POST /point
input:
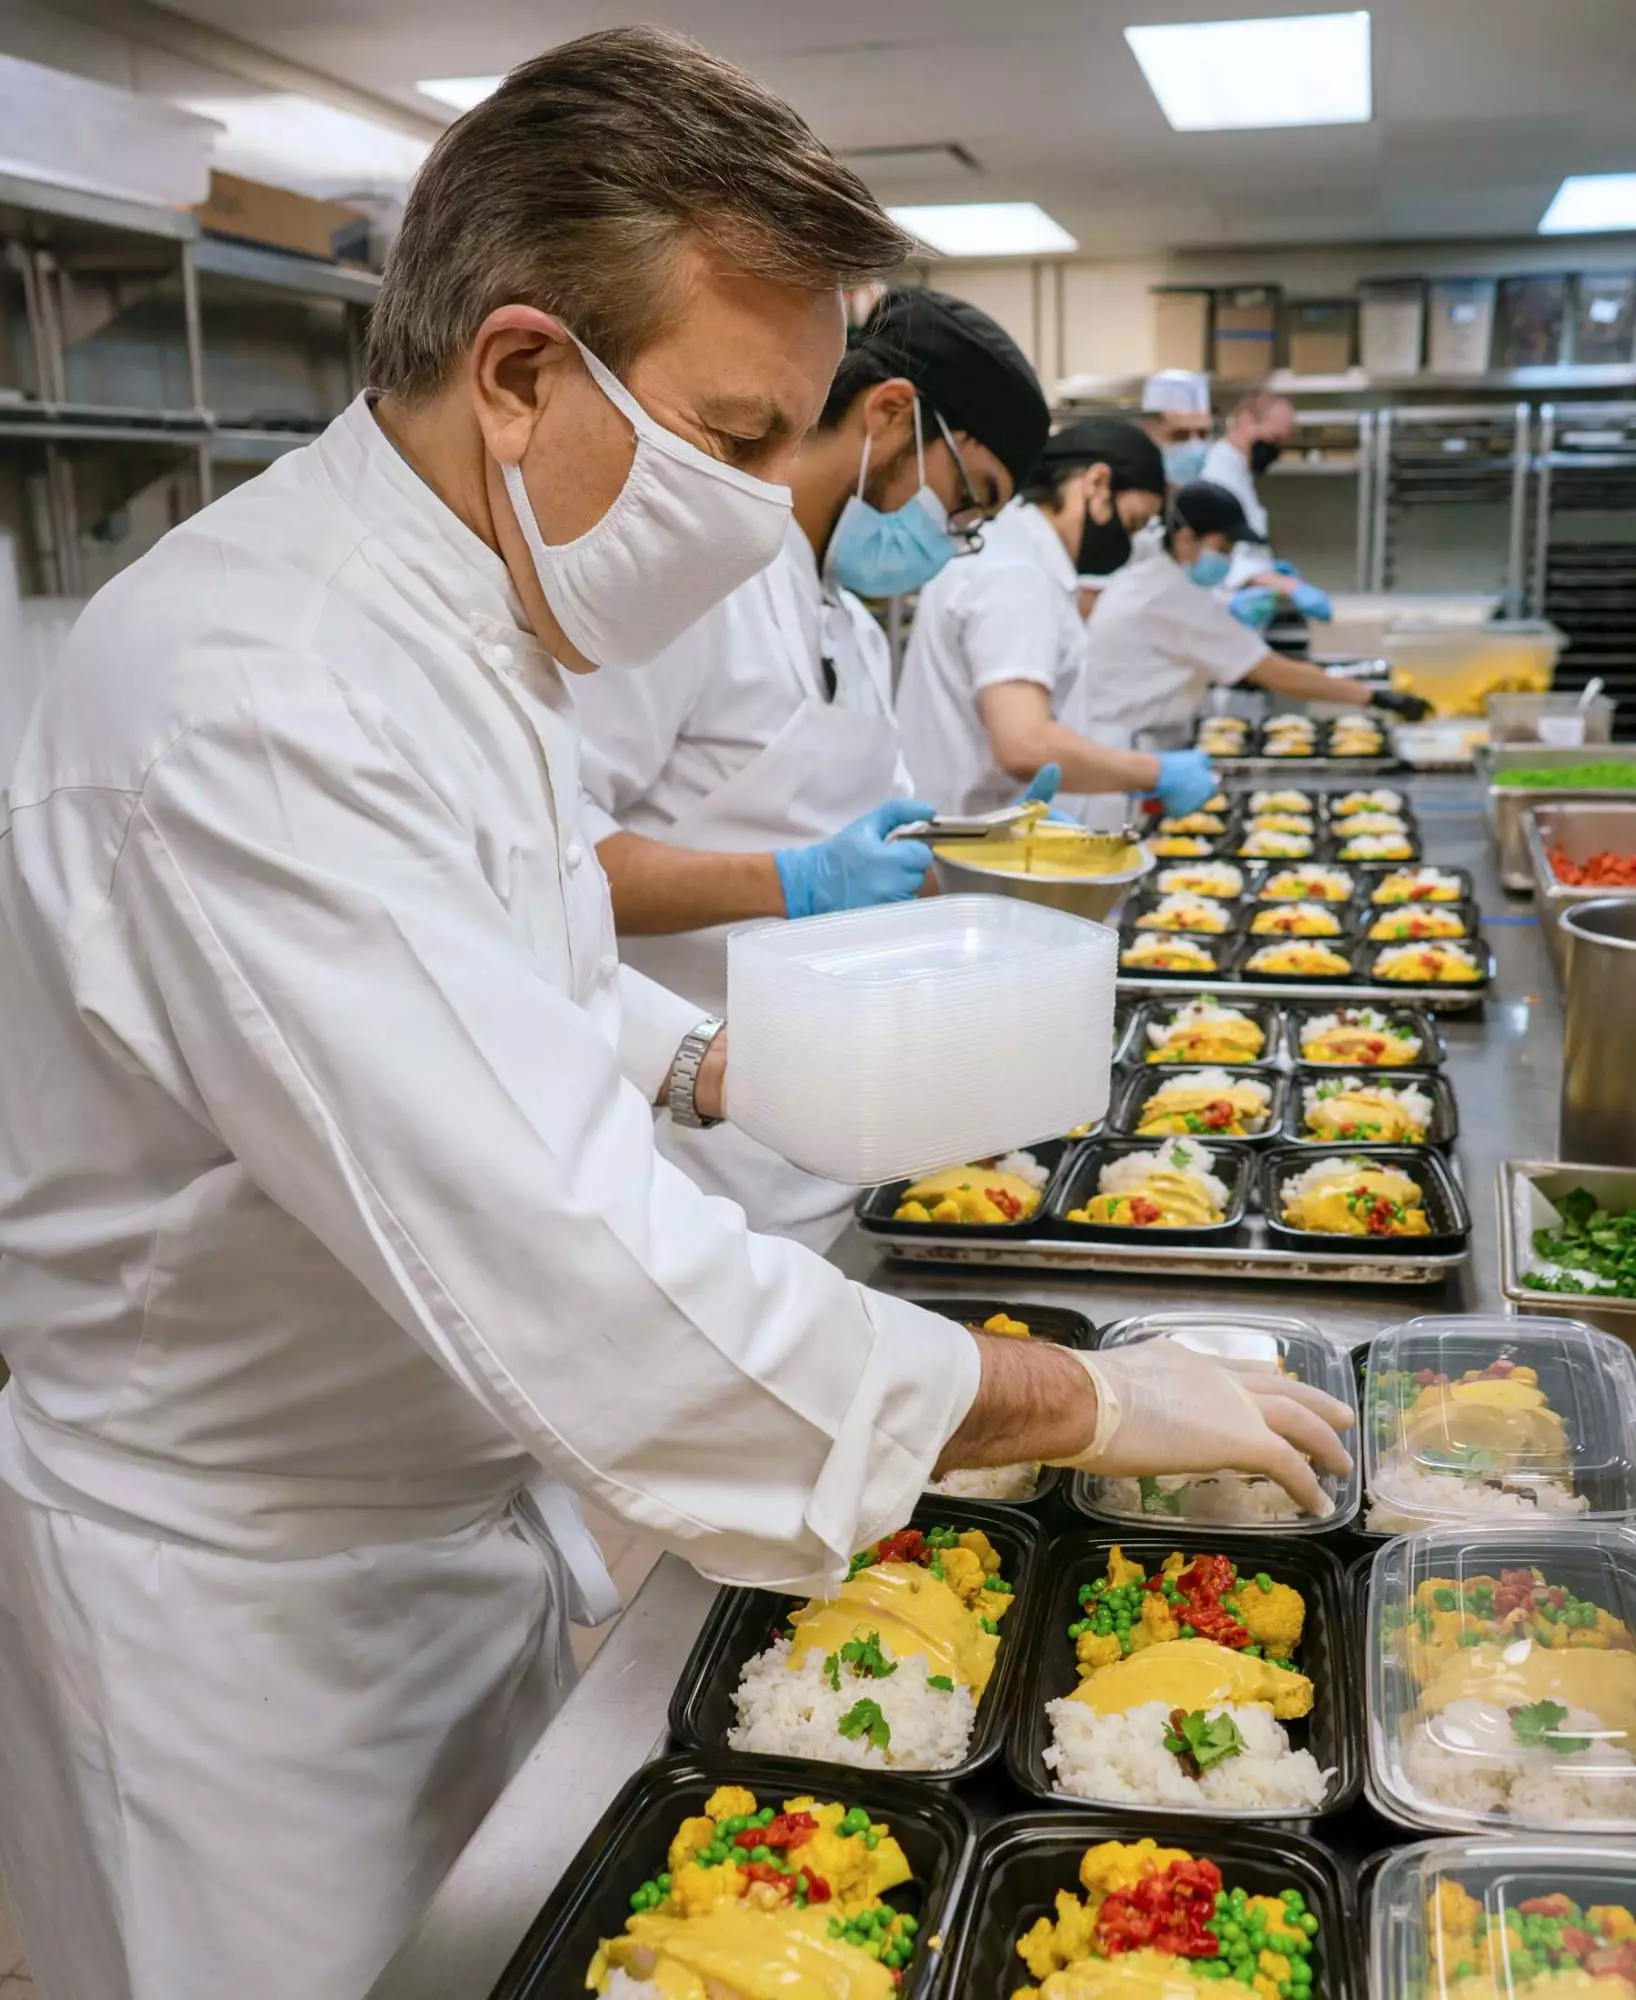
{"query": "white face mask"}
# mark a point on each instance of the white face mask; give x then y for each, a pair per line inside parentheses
(684, 532)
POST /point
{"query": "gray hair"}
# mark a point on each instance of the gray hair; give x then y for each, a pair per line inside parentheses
(574, 185)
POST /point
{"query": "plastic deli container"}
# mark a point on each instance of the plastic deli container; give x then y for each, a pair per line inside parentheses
(893, 1041)
(1503, 1919)
(1053, 1323)
(1502, 1679)
(1331, 1732)
(1489, 1420)
(631, 1843)
(1023, 1863)
(743, 1623)
(1230, 1499)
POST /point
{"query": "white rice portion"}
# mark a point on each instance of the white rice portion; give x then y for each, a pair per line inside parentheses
(992, 1482)
(623, 1987)
(786, 1711)
(1211, 878)
(1119, 1176)
(1024, 1166)
(1416, 1496)
(1211, 1079)
(1412, 1099)
(1263, 802)
(1355, 1017)
(1382, 799)
(1467, 1757)
(1185, 904)
(1242, 1498)
(1403, 954)
(1122, 1759)
(1196, 1014)
(1421, 878)
(1320, 1174)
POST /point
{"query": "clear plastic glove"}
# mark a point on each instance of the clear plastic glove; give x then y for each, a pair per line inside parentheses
(857, 866)
(1400, 702)
(1311, 602)
(1253, 606)
(1162, 1408)
(1186, 779)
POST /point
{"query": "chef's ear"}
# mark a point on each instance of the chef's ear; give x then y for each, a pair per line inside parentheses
(888, 415)
(1099, 494)
(517, 359)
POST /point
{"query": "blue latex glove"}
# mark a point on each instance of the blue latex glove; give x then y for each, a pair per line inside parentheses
(1186, 779)
(857, 866)
(1285, 569)
(1043, 790)
(1253, 606)
(1311, 602)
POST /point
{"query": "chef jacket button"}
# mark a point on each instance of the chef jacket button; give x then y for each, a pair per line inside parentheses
(501, 658)
(573, 854)
(607, 966)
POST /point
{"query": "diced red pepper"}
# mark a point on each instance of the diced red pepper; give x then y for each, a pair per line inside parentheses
(908, 1545)
(786, 1831)
(1005, 1201)
(764, 1871)
(1144, 1213)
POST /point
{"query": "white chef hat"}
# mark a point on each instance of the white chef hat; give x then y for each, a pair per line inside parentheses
(1181, 391)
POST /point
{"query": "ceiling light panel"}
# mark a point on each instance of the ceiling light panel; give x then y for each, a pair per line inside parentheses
(1234, 76)
(985, 229)
(1588, 202)
(460, 93)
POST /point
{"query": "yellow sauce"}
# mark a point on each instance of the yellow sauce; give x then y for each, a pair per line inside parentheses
(1405, 886)
(1182, 1201)
(1164, 953)
(1370, 1048)
(1604, 1682)
(757, 1954)
(1507, 1417)
(912, 1611)
(1418, 923)
(966, 1194)
(1138, 1975)
(1048, 850)
(1342, 1207)
(1307, 920)
(1194, 1673)
(1300, 957)
(1341, 1115)
(1428, 964)
(1289, 885)
(1168, 1109)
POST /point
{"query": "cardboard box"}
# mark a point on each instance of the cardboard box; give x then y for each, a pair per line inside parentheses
(1321, 333)
(1246, 336)
(1181, 320)
(1392, 326)
(256, 213)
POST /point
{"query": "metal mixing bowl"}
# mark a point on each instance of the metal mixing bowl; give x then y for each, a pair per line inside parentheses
(1081, 896)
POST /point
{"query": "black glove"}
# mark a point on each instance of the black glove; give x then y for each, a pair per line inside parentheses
(1409, 706)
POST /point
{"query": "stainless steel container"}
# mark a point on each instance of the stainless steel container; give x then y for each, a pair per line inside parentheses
(1613, 1188)
(1090, 896)
(1578, 831)
(1598, 1046)
(1505, 804)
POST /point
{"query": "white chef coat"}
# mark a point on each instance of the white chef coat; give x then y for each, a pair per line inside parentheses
(1008, 613)
(734, 741)
(1226, 465)
(330, 1212)
(1155, 644)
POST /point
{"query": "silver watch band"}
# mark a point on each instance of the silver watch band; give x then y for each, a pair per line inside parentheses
(682, 1096)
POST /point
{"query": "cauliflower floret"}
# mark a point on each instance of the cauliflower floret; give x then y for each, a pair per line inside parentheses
(1097, 1649)
(983, 1549)
(693, 1836)
(963, 1573)
(1120, 1569)
(1157, 1623)
(1273, 1618)
(730, 1802)
(1052, 1946)
(1119, 1864)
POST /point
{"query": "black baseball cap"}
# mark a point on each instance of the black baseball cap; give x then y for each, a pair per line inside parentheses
(966, 366)
(1209, 509)
(1132, 458)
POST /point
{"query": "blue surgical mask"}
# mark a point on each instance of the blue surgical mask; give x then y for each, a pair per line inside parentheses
(1185, 462)
(885, 555)
(1208, 568)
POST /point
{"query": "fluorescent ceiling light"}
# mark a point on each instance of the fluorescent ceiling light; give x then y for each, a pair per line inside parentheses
(1587, 202)
(1227, 76)
(300, 143)
(985, 228)
(460, 93)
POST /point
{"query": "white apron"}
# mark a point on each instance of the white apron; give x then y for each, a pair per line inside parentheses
(831, 762)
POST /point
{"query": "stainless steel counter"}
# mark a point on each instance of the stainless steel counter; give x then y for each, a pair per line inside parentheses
(1505, 1065)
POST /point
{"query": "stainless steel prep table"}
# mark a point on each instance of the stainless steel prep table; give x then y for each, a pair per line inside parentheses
(1505, 1065)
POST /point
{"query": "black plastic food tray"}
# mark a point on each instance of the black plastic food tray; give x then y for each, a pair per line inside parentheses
(1150, 1012)
(1410, 860)
(592, 1901)
(1053, 1323)
(742, 1623)
(1023, 1861)
(1447, 1217)
(1149, 901)
(1344, 947)
(1328, 1654)
(1373, 873)
(1223, 950)
(1135, 1087)
(1229, 1163)
(1276, 867)
(1476, 944)
(1341, 938)
(1366, 916)
(1415, 1019)
(1443, 1130)
(874, 1207)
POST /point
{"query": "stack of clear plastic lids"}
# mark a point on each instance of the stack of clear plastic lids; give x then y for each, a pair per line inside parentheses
(1504, 1919)
(1502, 1679)
(893, 1041)
(1486, 1419)
(1239, 1500)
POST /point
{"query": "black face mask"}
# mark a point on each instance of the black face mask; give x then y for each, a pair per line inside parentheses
(1104, 546)
(1263, 454)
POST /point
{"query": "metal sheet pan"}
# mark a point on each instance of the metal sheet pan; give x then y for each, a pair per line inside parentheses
(1253, 1258)
(1580, 829)
(1435, 999)
(1506, 804)
(1615, 1186)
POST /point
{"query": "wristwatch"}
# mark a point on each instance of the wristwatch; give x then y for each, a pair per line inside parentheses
(682, 1096)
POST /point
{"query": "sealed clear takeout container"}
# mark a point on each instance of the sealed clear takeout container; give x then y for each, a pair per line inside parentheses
(1490, 1420)
(1247, 1504)
(1501, 1670)
(1503, 1919)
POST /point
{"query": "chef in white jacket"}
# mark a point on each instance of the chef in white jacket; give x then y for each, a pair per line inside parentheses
(330, 1216)
(1253, 439)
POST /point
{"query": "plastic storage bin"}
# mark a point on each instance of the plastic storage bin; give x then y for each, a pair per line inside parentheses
(1488, 1452)
(1563, 721)
(1461, 325)
(1457, 670)
(888, 1042)
(1392, 326)
(1441, 1906)
(1502, 1679)
(1230, 1499)
(1364, 617)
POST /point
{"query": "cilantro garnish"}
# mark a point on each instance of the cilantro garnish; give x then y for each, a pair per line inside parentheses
(940, 1681)
(1535, 1727)
(832, 1670)
(1200, 1740)
(1155, 1500)
(864, 1718)
(864, 1656)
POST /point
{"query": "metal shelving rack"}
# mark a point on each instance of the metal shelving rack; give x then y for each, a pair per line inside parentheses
(1450, 499)
(1584, 540)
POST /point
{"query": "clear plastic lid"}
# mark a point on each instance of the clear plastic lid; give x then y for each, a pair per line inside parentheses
(1485, 1419)
(1237, 1500)
(1502, 1679)
(1503, 1919)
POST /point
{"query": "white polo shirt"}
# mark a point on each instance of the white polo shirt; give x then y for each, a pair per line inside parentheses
(1226, 465)
(1155, 644)
(1008, 613)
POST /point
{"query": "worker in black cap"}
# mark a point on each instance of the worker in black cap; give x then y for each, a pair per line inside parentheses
(1161, 639)
(992, 682)
(754, 770)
